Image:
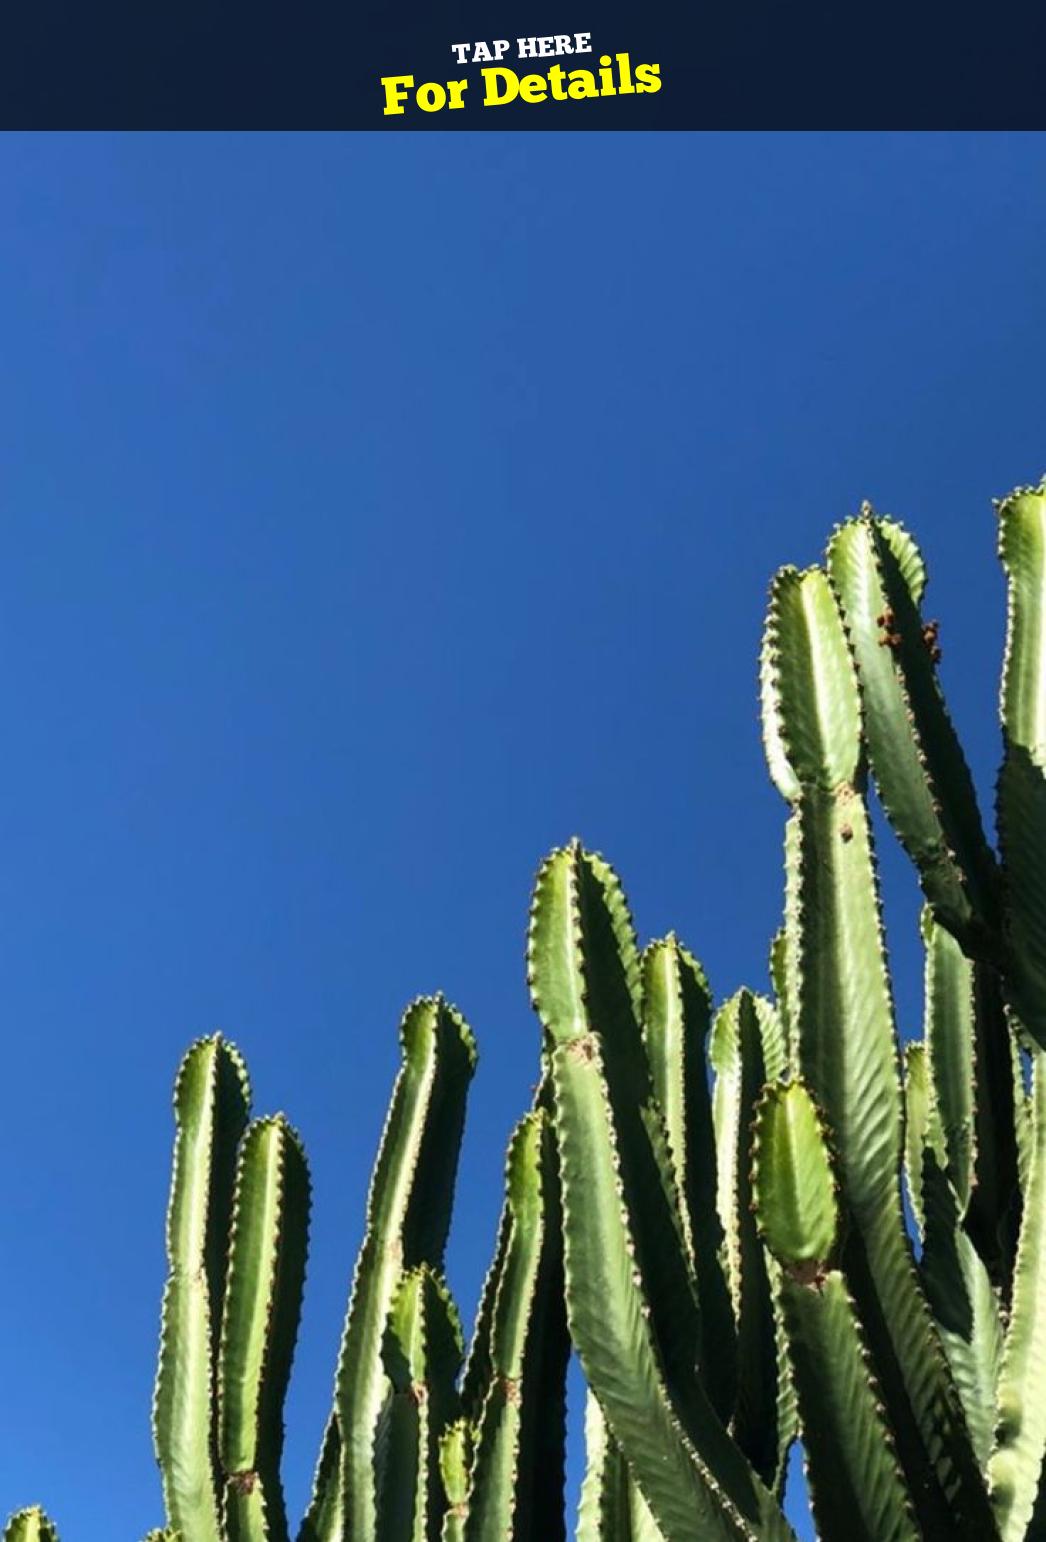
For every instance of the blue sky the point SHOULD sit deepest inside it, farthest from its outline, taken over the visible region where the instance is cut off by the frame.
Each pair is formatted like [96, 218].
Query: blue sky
[377, 513]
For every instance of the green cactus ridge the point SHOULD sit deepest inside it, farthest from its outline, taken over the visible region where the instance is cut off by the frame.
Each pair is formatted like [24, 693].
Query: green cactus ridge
[677, 1016]
[612, 1507]
[30, 1525]
[423, 1349]
[796, 1196]
[856, 1483]
[212, 1104]
[922, 776]
[631, 1297]
[1022, 551]
[747, 1049]
[408, 1215]
[518, 1436]
[266, 1275]
[1020, 1433]
[705, 1202]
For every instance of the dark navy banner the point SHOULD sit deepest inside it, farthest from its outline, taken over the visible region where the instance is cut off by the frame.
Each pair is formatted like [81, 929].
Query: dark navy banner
[552, 64]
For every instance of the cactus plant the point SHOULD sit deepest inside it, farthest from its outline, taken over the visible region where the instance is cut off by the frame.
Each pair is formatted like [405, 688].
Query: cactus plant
[707, 1205]
[30, 1525]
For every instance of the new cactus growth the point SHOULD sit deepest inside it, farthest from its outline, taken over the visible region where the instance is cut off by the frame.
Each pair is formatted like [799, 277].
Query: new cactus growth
[707, 1205]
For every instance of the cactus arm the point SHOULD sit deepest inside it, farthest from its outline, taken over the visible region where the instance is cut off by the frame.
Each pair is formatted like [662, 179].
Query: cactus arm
[632, 1314]
[212, 1098]
[740, 1063]
[964, 1304]
[921, 1126]
[30, 1525]
[1022, 551]
[857, 1488]
[811, 710]
[478, 1364]
[423, 1351]
[408, 1214]
[677, 1011]
[923, 780]
[950, 1043]
[695, 1481]
[856, 1485]
[779, 979]
[844, 1002]
[603, 1505]
[970, 1059]
[958, 1287]
[1020, 1442]
[266, 1276]
[1023, 1109]
[456, 1448]
[611, 1509]
[325, 1518]
[1021, 818]
[516, 1486]
[589, 916]
[1021, 792]
[786, 978]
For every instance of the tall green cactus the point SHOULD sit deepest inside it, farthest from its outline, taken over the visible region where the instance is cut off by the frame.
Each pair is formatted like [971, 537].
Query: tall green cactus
[856, 1483]
[845, 1037]
[30, 1525]
[514, 1390]
[408, 1216]
[212, 1105]
[705, 1204]
[631, 1295]
[422, 1352]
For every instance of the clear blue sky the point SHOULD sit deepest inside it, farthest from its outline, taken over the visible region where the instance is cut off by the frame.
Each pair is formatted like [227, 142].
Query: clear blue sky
[378, 512]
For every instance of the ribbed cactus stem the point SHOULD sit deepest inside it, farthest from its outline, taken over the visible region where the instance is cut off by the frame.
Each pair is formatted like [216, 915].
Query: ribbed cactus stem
[612, 1508]
[747, 1049]
[325, 1520]
[30, 1525]
[968, 1042]
[266, 1276]
[964, 1302]
[423, 1350]
[456, 1449]
[965, 1305]
[845, 1038]
[922, 1127]
[922, 776]
[1020, 1438]
[677, 1018]
[212, 1101]
[1021, 792]
[516, 1473]
[857, 1488]
[408, 1215]
[630, 1294]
